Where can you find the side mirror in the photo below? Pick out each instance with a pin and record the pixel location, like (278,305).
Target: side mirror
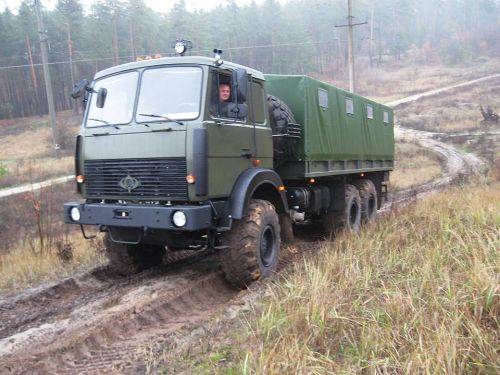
(101,97)
(80,88)
(238,111)
(240,83)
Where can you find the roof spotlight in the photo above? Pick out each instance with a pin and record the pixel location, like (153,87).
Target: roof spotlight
(181,46)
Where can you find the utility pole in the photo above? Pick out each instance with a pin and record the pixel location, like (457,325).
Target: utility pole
(42,36)
(71,70)
(350,25)
(32,66)
(371,34)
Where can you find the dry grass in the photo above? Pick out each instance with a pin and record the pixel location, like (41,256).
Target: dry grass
(416,293)
(22,267)
(17,172)
(454,112)
(31,137)
(415,165)
(31,144)
(395,80)
(35,245)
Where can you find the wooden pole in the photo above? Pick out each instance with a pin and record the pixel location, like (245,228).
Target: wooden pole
(371,33)
(32,66)
(350,26)
(71,70)
(350,46)
(42,36)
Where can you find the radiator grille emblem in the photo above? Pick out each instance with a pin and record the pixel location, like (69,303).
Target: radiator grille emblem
(129,183)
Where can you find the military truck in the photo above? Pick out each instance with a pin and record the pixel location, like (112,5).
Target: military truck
(162,161)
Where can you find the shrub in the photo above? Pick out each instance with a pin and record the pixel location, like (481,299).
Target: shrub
(3,171)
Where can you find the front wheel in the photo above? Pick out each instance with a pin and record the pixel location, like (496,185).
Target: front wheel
(127,259)
(254,245)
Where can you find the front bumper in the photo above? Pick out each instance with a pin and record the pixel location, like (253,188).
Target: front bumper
(139,216)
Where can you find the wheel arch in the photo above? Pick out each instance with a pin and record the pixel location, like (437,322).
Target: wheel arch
(257,183)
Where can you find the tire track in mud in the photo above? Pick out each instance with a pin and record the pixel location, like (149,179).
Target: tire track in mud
(98,322)
(109,334)
(119,320)
(458,166)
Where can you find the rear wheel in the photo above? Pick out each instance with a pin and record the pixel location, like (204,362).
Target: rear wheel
(369,199)
(348,219)
(254,245)
(127,259)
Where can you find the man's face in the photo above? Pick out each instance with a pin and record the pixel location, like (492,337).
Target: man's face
(224,92)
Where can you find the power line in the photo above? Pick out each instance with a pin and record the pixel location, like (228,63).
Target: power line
(170,53)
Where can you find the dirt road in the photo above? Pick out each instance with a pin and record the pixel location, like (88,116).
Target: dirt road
(100,322)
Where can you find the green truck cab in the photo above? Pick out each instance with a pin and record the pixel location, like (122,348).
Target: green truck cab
(162,161)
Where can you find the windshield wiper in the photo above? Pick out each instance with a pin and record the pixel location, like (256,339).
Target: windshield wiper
(160,116)
(104,122)
(96,119)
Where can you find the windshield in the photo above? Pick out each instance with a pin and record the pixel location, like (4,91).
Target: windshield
(169,94)
(119,106)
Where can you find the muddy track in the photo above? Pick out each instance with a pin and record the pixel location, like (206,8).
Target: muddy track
(106,325)
(457,165)
(99,322)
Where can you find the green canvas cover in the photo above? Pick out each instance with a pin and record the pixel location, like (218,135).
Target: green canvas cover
(345,143)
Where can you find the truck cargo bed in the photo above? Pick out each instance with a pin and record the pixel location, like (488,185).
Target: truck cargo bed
(342,133)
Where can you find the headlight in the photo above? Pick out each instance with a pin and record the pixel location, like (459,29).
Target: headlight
(179,219)
(74,213)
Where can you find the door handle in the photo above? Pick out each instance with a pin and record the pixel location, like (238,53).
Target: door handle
(246,153)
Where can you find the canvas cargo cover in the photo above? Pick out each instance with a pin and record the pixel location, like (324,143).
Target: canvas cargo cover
(329,133)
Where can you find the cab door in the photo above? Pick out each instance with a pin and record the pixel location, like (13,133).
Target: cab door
(229,139)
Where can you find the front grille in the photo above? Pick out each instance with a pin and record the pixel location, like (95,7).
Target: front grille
(163,179)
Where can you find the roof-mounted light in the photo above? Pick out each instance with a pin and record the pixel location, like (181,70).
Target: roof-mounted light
(181,46)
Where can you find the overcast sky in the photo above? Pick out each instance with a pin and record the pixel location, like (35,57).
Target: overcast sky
(158,5)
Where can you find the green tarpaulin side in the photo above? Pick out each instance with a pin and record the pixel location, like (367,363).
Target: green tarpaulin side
(330,133)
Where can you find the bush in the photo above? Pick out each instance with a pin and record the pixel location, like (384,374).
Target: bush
(3,171)
(6,110)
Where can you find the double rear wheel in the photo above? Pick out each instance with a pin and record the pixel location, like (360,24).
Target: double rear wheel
(360,207)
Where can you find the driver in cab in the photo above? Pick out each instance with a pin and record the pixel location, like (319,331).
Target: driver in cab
(224,101)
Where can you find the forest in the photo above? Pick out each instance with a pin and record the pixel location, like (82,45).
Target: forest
(298,37)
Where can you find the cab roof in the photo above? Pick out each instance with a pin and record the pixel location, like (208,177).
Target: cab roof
(177,60)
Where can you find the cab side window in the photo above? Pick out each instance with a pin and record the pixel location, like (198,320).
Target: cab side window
(223,100)
(259,103)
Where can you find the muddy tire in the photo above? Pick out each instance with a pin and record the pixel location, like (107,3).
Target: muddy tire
(349,218)
(129,259)
(369,199)
(286,229)
(254,243)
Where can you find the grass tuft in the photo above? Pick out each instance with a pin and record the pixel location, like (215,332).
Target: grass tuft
(23,267)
